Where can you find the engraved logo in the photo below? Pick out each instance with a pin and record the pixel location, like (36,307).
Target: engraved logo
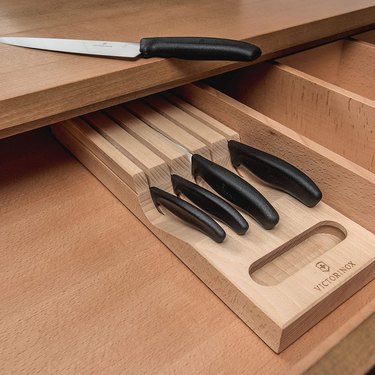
(334,276)
(322,266)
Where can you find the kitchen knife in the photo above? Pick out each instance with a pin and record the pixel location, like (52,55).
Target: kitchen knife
(192,48)
(276,172)
(211,203)
(188,213)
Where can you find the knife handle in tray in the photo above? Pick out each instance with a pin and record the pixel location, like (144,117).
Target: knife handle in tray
(211,203)
(276,172)
(189,213)
(236,190)
(199,48)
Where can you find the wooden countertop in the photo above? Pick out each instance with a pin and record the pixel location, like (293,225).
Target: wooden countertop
(39,87)
(85,288)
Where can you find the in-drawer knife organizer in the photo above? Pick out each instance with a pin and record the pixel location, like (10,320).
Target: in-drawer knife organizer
(280,281)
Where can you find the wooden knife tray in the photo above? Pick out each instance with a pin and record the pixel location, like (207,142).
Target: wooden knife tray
(315,109)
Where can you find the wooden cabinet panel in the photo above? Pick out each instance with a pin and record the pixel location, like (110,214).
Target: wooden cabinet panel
(39,88)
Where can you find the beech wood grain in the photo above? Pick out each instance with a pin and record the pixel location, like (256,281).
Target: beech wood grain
(334,174)
(347,64)
(40,87)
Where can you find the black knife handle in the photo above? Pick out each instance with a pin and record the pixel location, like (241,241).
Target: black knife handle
(276,172)
(236,190)
(189,213)
(196,48)
(210,203)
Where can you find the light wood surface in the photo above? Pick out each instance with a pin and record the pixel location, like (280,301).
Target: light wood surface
(335,175)
(338,119)
(175,157)
(347,357)
(134,175)
(345,63)
(256,272)
(157,171)
(40,88)
(100,294)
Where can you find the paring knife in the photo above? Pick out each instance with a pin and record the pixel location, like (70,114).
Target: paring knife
(211,203)
(189,213)
(192,48)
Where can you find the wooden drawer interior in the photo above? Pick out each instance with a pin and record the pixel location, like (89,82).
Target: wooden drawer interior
(336,118)
(347,64)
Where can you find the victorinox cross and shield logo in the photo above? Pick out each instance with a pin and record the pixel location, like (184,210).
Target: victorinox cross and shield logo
(322,266)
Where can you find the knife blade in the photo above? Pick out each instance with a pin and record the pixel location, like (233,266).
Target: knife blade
(192,48)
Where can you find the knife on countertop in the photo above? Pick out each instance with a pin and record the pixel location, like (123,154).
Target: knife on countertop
(191,48)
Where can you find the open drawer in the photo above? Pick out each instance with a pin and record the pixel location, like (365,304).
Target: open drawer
(283,281)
